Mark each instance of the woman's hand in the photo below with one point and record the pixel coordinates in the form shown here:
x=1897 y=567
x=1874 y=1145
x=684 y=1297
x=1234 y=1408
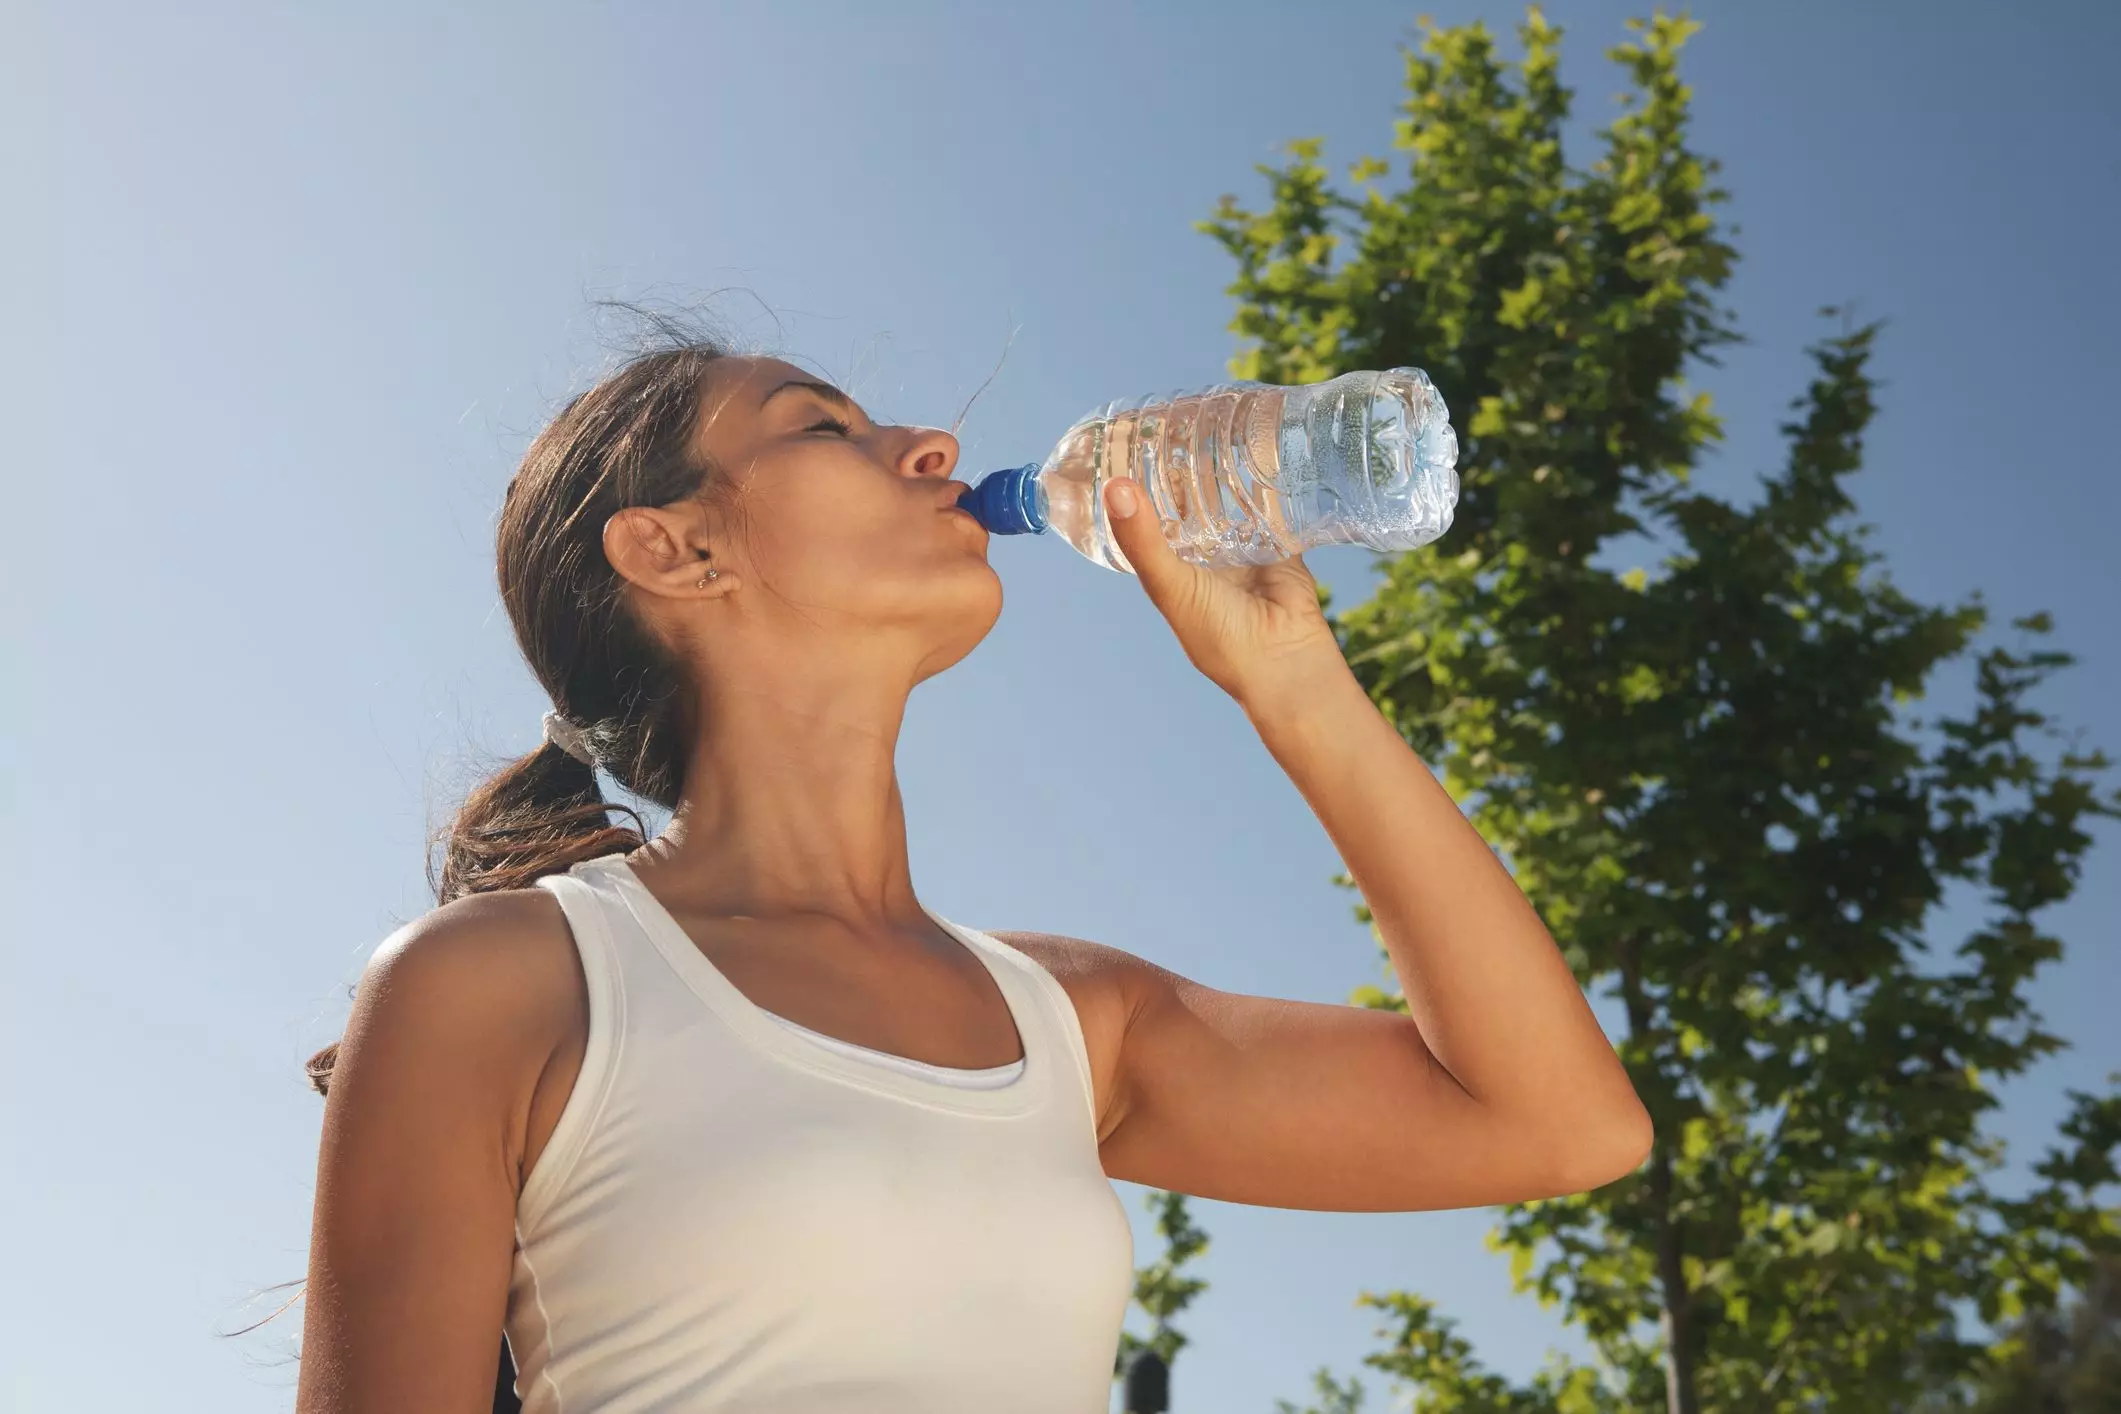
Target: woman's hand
x=1256 y=631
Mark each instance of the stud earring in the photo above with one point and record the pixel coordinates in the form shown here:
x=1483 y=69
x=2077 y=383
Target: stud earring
x=711 y=574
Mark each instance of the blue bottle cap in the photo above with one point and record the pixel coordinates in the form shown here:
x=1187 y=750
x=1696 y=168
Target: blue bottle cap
x=1009 y=502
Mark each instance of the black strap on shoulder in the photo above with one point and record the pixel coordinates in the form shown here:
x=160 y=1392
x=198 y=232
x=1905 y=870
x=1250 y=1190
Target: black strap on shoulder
x=504 y=1384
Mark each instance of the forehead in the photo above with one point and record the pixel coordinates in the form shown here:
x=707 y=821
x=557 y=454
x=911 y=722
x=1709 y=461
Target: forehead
x=732 y=390
x=750 y=376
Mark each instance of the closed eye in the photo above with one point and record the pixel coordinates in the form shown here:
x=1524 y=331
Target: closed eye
x=830 y=424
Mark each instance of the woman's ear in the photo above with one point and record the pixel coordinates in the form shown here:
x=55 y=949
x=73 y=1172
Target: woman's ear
x=665 y=551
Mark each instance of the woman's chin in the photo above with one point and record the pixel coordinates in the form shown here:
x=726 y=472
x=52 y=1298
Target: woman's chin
x=964 y=629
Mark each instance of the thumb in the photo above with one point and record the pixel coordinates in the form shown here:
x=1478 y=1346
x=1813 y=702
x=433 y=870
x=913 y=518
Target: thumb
x=1140 y=536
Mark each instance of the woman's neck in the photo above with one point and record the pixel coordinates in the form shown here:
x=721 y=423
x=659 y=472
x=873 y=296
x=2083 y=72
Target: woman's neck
x=791 y=805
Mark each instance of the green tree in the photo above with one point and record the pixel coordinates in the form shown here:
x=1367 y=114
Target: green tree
x=1161 y=1289
x=2052 y=1360
x=1709 y=775
x=1423 y=1352
x=2061 y=1362
x=1334 y=1396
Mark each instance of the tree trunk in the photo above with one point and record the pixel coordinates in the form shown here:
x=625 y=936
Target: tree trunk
x=1675 y=1319
x=1679 y=1394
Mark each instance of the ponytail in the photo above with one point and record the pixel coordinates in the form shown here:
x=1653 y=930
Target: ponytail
x=541 y=814
x=625 y=442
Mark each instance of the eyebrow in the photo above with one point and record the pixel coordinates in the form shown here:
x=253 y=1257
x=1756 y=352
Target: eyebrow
x=824 y=390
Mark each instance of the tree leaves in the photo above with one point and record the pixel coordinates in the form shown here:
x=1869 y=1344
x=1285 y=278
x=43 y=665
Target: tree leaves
x=1708 y=775
x=1159 y=1289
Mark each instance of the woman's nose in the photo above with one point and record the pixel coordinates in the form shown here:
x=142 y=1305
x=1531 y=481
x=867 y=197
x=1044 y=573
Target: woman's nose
x=930 y=451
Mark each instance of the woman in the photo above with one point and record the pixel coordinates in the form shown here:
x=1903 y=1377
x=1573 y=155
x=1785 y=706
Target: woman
x=726 y=1119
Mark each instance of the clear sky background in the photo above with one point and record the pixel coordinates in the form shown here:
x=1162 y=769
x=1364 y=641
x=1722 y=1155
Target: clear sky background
x=289 y=287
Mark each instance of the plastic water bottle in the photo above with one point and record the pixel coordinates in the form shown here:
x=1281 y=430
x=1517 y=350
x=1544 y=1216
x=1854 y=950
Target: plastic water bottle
x=1247 y=473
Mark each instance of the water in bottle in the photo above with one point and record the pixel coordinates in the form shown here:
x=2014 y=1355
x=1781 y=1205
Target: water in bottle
x=1247 y=473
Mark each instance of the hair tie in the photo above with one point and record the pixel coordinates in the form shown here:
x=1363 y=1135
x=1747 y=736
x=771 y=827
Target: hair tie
x=569 y=738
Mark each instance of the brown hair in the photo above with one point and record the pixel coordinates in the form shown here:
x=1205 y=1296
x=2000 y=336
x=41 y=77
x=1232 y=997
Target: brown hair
x=625 y=442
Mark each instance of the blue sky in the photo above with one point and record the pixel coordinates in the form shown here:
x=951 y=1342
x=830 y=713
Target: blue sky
x=290 y=287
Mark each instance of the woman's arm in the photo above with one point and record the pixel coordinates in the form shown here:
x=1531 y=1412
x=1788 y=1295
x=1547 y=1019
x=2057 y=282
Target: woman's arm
x=414 y=1228
x=1499 y=1085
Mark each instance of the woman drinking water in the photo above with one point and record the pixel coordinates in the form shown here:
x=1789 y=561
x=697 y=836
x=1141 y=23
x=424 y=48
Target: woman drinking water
x=726 y=1119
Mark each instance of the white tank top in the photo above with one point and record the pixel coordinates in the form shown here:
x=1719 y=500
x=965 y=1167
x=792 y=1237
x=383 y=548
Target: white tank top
x=948 y=1075
x=739 y=1215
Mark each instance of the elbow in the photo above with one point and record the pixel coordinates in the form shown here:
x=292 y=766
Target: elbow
x=1635 y=1137
x=1606 y=1149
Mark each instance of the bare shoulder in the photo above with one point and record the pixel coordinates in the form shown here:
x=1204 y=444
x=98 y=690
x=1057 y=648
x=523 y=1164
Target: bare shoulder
x=477 y=923
x=1096 y=974
x=418 y=1171
x=484 y=957
x=470 y=1000
x=1106 y=984
x=1069 y=959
